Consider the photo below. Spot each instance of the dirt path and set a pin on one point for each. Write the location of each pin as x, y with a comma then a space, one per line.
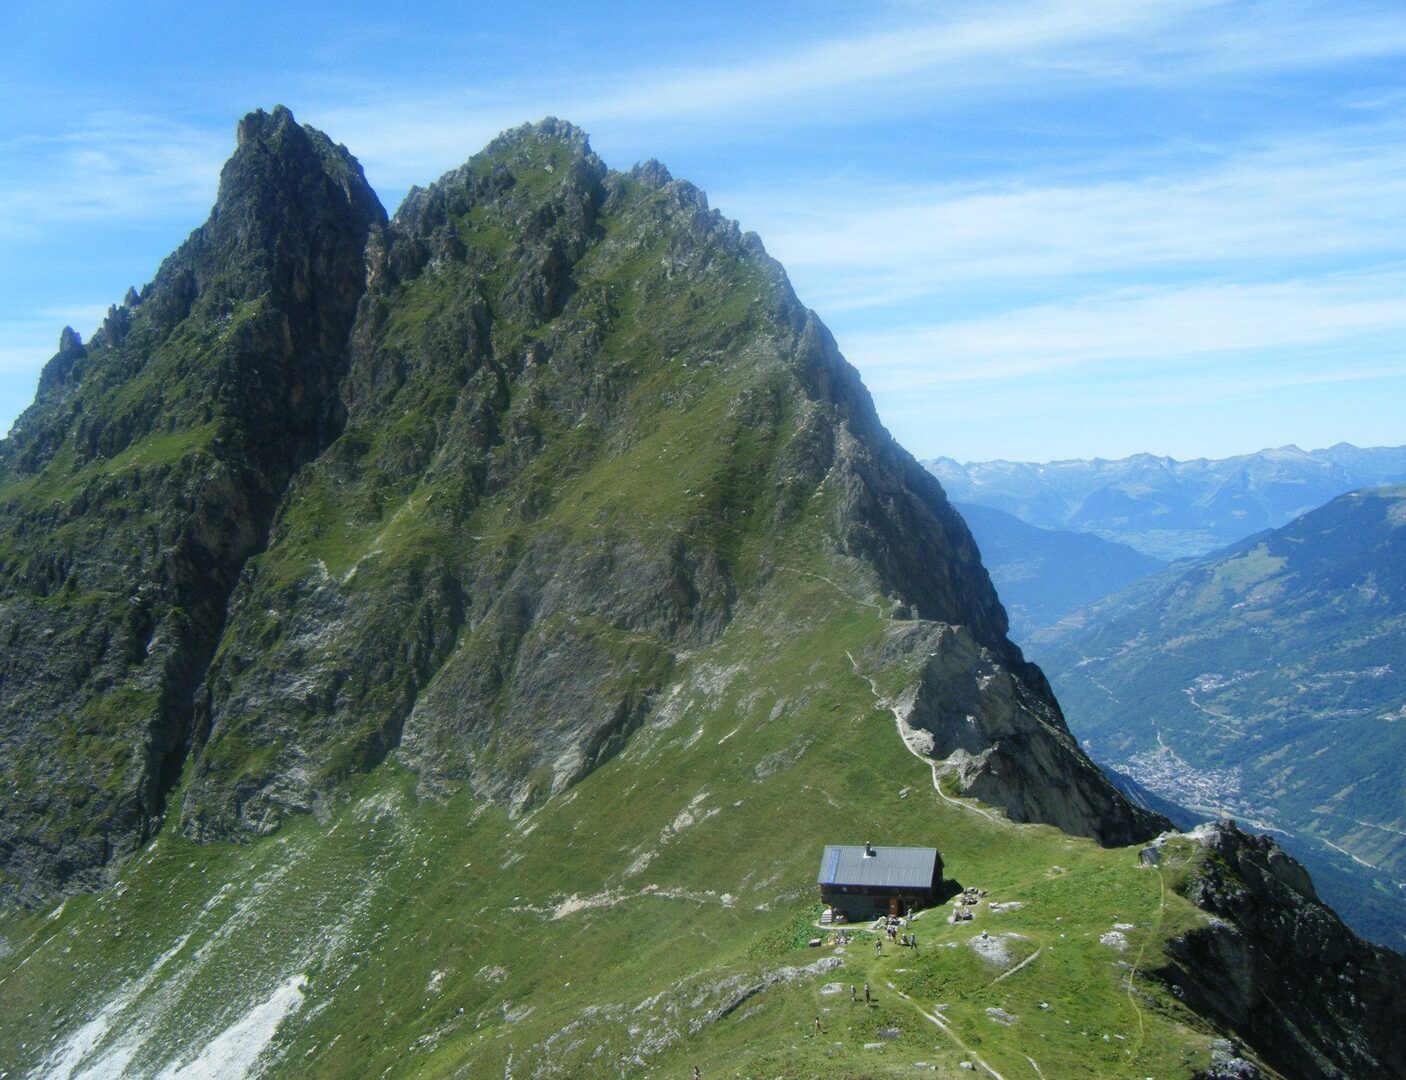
1132, 974
1012, 971
946, 1028
834, 585
932, 765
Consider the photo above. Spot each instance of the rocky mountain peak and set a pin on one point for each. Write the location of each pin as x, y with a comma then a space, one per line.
70, 344
553, 428
144, 476
259, 124
285, 182
652, 172
547, 130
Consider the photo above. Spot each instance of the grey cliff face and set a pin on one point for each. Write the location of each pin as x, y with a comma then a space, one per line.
995, 730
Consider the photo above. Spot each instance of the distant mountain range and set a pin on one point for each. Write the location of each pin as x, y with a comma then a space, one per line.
1044, 575
1266, 681
1167, 508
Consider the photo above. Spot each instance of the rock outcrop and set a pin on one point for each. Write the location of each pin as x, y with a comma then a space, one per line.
1281, 970
532, 317
1001, 735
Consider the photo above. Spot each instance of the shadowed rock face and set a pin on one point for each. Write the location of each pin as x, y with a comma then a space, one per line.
144, 475
1282, 971
471, 486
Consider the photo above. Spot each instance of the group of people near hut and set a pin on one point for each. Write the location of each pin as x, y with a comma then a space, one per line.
963, 904
891, 925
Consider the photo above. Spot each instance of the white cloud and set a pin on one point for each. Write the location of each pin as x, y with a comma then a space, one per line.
1127, 328
113, 167
861, 245
982, 52
118, 166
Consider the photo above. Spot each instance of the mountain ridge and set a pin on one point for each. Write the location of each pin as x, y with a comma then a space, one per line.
486, 347
1168, 508
1043, 575
607, 601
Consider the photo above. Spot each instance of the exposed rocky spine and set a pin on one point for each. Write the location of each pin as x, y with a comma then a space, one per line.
532, 316
144, 475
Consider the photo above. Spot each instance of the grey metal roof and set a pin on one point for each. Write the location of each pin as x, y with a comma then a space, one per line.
895, 867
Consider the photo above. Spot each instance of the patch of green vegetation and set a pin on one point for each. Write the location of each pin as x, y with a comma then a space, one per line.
1265, 675
657, 913
440, 935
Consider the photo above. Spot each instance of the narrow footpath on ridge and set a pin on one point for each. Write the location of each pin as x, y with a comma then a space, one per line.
898, 720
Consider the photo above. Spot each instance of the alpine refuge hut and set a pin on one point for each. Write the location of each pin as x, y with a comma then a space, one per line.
861, 882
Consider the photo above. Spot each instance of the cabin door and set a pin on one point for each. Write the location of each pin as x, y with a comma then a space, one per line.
893, 906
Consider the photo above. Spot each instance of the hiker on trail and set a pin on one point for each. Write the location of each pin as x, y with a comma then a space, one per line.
817, 1025
852, 995
867, 998
696, 1073
878, 946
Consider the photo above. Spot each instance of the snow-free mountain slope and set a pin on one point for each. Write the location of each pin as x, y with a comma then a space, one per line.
1265, 681
596, 602
1042, 575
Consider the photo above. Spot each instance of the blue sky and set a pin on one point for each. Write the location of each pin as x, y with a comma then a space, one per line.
1040, 230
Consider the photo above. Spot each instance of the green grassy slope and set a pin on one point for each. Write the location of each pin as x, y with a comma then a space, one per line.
562, 662
605, 933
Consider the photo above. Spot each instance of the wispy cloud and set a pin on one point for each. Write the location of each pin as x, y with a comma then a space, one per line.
113, 167
1232, 224
856, 245
125, 166
976, 53
28, 340
1129, 328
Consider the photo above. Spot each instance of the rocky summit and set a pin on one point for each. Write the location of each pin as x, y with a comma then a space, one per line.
443, 645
